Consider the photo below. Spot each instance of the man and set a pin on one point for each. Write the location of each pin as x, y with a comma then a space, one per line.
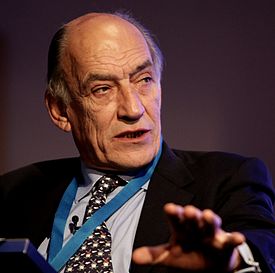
104, 86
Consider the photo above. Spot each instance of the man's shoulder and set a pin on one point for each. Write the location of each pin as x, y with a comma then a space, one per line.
216, 161
48, 170
46, 166
193, 157
221, 163
205, 163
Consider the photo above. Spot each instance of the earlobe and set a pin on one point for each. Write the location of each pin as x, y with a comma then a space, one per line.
57, 111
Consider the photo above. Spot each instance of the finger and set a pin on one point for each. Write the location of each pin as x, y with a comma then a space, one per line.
172, 209
211, 218
205, 222
184, 221
211, 223
192, 224
186, 225
181, 215
150, 255
226, 240
222, 239
180, 212
224, 249
235, 239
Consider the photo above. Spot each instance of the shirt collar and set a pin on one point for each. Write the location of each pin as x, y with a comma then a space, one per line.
90, 176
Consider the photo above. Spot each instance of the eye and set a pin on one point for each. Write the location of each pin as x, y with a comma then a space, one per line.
147, 79
100, 90
144, 82
144, 79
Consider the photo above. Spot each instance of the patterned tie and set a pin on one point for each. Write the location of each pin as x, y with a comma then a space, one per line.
94, 256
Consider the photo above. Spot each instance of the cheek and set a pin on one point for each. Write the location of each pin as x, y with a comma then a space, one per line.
99, 123
153, 107
83, 119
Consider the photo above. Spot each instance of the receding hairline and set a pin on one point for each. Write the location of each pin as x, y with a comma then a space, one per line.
56, 76
91, 16
86, 21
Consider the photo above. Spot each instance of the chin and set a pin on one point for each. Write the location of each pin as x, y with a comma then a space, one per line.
133, 162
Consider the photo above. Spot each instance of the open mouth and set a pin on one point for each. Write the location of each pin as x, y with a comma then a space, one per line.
135, 134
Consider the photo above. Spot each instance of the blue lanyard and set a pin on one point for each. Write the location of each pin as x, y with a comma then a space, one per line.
58, 256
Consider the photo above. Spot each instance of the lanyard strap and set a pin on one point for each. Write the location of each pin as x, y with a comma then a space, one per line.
60, 219
58, 256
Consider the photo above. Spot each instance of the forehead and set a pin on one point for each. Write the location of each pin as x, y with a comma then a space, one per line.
106, 40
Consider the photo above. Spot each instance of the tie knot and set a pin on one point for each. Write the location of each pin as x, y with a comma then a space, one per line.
108, 183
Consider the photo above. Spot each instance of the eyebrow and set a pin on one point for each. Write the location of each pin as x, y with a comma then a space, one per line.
139, 68
109, 77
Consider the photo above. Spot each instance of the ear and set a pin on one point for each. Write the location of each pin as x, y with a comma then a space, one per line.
57, 111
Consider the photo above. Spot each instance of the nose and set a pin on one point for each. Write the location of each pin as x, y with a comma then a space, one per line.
130, 107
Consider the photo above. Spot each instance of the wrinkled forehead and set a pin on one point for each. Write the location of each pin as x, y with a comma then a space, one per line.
103, 34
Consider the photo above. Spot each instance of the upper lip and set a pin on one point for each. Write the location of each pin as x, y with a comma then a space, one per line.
124, 133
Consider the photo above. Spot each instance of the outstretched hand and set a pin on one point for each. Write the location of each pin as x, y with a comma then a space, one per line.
197, 243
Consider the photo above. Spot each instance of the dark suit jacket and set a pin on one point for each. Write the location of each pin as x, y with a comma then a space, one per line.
237, 188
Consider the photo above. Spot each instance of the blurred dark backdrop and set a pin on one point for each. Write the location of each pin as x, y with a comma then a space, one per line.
218, 82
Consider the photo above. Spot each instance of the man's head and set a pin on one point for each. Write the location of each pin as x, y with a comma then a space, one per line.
104, 86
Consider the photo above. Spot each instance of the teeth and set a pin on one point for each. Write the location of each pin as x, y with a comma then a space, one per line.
133, 135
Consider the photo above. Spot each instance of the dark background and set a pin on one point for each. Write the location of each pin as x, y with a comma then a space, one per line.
218, 82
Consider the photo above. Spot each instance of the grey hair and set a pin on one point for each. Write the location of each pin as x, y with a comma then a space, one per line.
57, 85
152, 45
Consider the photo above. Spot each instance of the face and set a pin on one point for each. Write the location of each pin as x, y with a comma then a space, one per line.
114, 114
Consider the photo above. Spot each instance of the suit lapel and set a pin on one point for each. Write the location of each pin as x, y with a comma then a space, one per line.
166, 185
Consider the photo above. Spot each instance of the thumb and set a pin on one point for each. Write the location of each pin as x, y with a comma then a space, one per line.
150, 255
